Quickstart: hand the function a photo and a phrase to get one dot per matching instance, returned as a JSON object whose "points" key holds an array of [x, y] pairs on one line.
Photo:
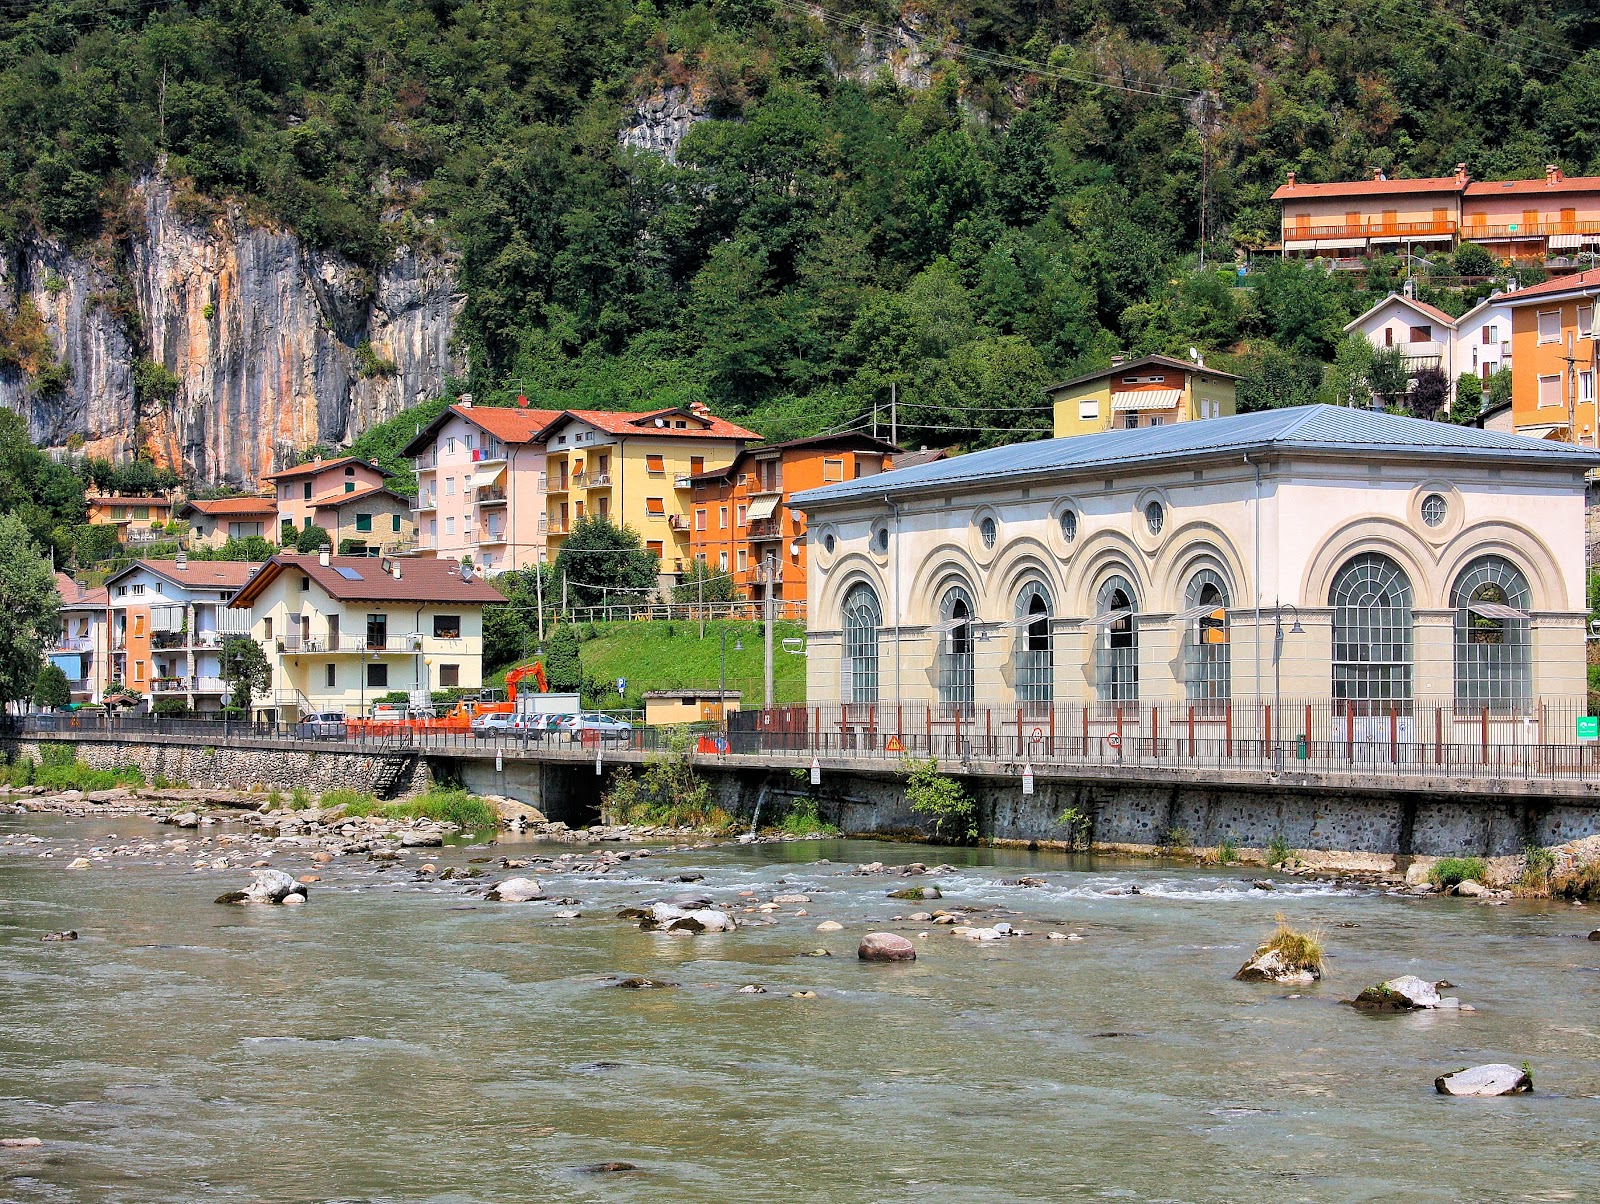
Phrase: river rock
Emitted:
{"points": [[1404, 994], [791, 899], [1494, 1079], [515, 890], [917, 892], [78, 863], [644, 984], [665, 917], [886, 947], [829, 926], [421, 840], [1269, 966], [1595, 935], [1471, 889], [751, 988], [68, 935], [186, 819], [20, 1143]]}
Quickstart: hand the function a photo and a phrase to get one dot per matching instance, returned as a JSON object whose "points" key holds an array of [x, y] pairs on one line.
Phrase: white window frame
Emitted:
{"points": [[1558, 400], [1549, 313]]}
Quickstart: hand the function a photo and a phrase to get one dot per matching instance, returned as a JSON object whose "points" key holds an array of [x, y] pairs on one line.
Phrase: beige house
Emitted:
{"points": [[214, 521], [1154, 390], [366, 521], [1409, 561], [342, 631], [672, 708], [301, 488]]}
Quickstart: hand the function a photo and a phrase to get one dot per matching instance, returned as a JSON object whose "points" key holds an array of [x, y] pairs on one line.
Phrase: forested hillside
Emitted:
{"points": [[964, 199]]}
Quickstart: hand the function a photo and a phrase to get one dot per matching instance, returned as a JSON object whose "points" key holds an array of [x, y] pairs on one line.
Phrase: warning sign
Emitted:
{"points": [[894, 745]]}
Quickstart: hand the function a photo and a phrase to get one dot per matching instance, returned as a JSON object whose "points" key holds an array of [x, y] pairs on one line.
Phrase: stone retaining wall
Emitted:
{"points": [[235, 768]]}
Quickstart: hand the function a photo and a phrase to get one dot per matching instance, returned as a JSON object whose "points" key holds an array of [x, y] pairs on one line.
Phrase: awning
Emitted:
{"points": [[486, 477], [950, 625], [1209, 611], [1495, 610], [1300, 244], [1565, 242], [1538, 430], [764, 507], [70, 663], [166, 618], [1341, 244], [1145, 399], [1109, 618]]}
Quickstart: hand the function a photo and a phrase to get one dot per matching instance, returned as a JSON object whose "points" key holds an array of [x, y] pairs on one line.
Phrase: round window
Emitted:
{"points": [[1154, 516], [1433, 509], [987, 529], [880, 539], [828, 541], [1069, 525]]}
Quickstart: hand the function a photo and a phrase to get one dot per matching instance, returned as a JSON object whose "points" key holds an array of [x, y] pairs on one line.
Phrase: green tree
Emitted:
{"points": [[51, 689], [700, 583], [1499, 392], [1388, 377], [600, 561], [246, 670], [29, 610], [563, 665], [1469, 399], [312, 539]]}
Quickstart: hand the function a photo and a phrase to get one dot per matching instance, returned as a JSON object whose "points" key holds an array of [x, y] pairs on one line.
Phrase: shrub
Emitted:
{"points": [[1174, 841], [1452, 871], [1535, 880], [448, 804], [1297, 950], [1227, 850], [669, 793], [21, 772], [1581, 882], [299, 799], [1279, 851], [1078, 825], [355, 802], [931, 793], [804, 819]]}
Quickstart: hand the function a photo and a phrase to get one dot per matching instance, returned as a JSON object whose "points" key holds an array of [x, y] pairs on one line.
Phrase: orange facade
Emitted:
{"points": [[739, 518], [1553, 359]]}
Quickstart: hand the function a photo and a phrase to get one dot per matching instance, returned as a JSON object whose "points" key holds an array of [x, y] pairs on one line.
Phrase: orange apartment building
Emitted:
{"points": [[1553, 358], [740, 522], [1555, 219]]}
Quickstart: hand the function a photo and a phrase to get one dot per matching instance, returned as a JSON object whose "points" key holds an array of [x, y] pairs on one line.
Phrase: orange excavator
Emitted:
{"points": [[465, 710]]}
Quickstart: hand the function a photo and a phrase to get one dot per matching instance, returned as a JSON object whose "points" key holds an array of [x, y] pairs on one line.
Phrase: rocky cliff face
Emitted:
{"points": [[659, 122], [275, 345]]}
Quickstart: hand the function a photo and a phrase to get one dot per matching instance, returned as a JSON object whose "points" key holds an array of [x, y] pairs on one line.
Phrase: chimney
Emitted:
{"points": [[181, 562], [324, 558], [1118, 359], [1552, 174], [1461, 173], [1290, 184], [1377, 175], [465, 401], [700, 408]]}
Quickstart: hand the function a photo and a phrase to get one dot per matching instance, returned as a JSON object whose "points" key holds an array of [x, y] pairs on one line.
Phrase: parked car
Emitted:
{"points": [[499, 723], [321, 725], [602, 725]]}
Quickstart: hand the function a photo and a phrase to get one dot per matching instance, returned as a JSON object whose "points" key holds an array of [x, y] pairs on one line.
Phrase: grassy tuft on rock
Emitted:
{"points": [[1580, 881], [1452, 871], [446, 804], [1297, 950]]}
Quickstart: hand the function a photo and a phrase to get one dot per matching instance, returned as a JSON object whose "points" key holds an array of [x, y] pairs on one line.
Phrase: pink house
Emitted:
{"points": [[305, 487]]}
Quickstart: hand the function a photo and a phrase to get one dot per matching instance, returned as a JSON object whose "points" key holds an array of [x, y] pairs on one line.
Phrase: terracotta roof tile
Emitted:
{"points": [[419, 581], [201, 574], [335, 500], [1553, 287], [1524, 187], [316, 466], [508, 425], [1289, 192], [615, 422], [230, 505]]}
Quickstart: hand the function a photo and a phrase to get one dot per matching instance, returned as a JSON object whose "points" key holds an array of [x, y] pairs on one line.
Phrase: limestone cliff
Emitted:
{"points": [[274, 344]]}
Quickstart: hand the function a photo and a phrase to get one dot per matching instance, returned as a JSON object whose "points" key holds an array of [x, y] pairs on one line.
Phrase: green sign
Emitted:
{"points": [[1588, 727]]}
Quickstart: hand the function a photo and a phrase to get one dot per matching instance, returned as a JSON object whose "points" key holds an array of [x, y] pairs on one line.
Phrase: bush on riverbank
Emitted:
{"points": [[443, 804], [1537, 867], [1580, 881], [931, 793], [1452, 871], [668, 794], [803, 819], [60, 768]]}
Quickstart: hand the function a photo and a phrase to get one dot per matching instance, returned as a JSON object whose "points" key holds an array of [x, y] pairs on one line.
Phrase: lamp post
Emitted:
{"points": [[1277, 678], [722, 686]]}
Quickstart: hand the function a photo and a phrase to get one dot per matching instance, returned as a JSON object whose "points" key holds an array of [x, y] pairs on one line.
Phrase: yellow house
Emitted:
{"points": [[1154, 391], [634, 469], [342, 631], [672, 708]]}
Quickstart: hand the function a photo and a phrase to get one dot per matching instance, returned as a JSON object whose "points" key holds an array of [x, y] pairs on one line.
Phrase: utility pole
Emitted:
{"points": [[894, 414], [538, 593], [766, 625]]}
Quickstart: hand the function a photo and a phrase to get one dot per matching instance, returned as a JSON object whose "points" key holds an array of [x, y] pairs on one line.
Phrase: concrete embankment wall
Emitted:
{"points": [[234, 767]]}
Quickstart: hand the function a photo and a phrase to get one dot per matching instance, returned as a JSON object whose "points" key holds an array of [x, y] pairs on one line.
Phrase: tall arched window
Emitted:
{"points": [[956, 669], [1116, 642], [1371, 600], [1491, 600], [1035, 666], [862, 618], [1208, 677]]}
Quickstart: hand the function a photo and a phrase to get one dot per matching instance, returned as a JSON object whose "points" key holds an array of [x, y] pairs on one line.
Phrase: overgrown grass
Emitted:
{"points": [[1279, 851], [1452, 871], [447, 804], [356, 803], [1174, 842], [60, 768], [803, 819], [1581, 882], [1227, 850], [1297, 950], [299, 799], [1535, 880]]}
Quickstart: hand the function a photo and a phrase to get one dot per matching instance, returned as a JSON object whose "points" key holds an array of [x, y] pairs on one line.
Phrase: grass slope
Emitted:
{"points": [[672, 656]]}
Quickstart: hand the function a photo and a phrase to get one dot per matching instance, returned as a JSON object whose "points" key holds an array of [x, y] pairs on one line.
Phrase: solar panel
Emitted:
{"points": [[348, 574]]}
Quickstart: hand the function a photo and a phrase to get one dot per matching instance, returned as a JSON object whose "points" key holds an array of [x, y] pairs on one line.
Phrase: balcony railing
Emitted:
{"points": [[426, 502], [492, 536], [600, 480], [1475, 231], [493, 496], [766, 528], [559, 485], [678, 522], [1368, 229], [74, 644], [682, 481]]}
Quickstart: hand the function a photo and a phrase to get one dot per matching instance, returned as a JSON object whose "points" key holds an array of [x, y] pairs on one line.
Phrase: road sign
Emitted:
{"points": [[1114, 740], [1588, 727], [1027, 778], [622, 686], [499, 764], [894, 745], [816, 772]]}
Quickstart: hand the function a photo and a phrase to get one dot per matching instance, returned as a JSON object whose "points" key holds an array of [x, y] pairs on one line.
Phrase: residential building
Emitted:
{"points": [[479, 492], [1478, 342], [1408, 562], [168, 620], [1553, 362], [81, 650], [634, 469], [214, 521], [1554, 220], [740, 524], [137, 519], [675, 708], [1154, 390], [342, 631], [370, 520], [301, 488]]}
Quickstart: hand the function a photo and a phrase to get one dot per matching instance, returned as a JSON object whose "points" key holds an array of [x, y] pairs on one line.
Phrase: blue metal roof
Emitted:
{"points": [[1314, 429]]}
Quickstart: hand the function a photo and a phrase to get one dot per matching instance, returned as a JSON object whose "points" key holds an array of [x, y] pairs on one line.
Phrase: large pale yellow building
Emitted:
{"points": [[634, 469], [1152, 391]]}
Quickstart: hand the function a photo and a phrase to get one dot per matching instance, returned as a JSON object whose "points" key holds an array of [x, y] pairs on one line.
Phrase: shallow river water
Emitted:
{"points": [[401, 1040]]}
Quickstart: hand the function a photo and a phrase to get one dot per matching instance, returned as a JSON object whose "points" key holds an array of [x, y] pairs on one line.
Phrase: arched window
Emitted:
{"points": [[955, 650], [1035, 667], [1116, 643], [1208, 664], [862, 618], [1491, 600], [1371, 600]]}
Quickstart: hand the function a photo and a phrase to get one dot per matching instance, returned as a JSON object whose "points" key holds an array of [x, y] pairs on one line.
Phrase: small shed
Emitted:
{"points": [[666, 708]]}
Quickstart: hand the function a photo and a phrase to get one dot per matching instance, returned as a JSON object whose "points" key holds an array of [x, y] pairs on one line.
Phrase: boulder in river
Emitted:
{"points": [[68, 935], [886, 947], [1494, 1079], [515, 890], [1408, 993], [644, 984], [420, 840], [917, 892], [829, 926], [270, 886], [1270, 966], [20, 1143], [665, 917]]}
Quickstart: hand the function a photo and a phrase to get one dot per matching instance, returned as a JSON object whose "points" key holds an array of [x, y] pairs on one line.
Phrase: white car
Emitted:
{"points": [[499, 723]]}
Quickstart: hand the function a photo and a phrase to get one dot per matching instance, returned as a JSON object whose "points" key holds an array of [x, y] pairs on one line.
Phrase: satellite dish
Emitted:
{"points": [[1194, 354], [522, 400]]}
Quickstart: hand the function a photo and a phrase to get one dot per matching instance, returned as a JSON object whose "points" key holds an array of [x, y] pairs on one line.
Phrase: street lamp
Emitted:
{"points": [[722, 685], [1277, 678]]}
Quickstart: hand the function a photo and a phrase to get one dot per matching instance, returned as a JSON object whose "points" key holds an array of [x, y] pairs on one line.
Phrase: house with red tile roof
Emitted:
{"points": [[298, 487], [214, 521], [1427, 337], [479, 492], [82, 648]]}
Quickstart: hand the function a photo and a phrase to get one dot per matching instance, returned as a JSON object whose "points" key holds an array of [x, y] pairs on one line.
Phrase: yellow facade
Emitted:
{"points": [[1152, 391]]}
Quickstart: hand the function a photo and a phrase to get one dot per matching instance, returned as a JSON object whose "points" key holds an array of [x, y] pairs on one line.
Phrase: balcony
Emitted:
{"points": [[553, 526], [1478, 232], [492, 454], [431, 460], [678, 522], [765, 528], [169, 685], [492, 536], [493, 496], [425, 502], [683, 481], [1369, 229], [559, 485], [147, 535], [600, 480], [74, 644]]}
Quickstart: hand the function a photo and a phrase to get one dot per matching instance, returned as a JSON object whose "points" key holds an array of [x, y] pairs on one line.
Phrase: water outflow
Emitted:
{"points": [[755, 819]]}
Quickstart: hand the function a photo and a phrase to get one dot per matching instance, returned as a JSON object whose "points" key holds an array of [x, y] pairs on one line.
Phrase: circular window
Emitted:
{"points": [[987, 530], [828, 541], [1433, 509], [880, 539], [1069, 525], [1154, 517]]}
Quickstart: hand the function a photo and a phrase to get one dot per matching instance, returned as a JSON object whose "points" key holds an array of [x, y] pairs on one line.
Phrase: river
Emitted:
{"points": [[397, 1039]]}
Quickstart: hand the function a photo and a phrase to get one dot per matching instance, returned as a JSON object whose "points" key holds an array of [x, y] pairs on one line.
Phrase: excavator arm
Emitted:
{"points": [[516, 676]]}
